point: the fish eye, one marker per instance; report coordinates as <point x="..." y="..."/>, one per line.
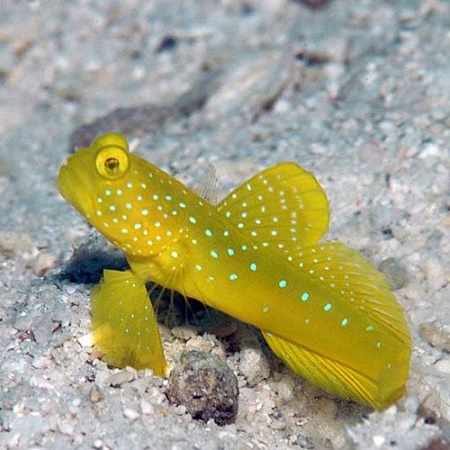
<point x="112" y="164"/>
<point x="112" y="159"/>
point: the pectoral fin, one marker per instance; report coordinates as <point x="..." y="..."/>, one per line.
<point x="124" y="323"/>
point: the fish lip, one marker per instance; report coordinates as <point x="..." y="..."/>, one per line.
<point x="63" y="170"/>
<point x="69" y="184"/>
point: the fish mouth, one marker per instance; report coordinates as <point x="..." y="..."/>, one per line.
<point x="62" y="181"/>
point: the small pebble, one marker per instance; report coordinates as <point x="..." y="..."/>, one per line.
<point x="379" y="441"/>
<point x="206" y="386"/>
<point x="122" y="377"/>
<point x="254" y="365"/>
<point x="277" y="421"/>
<point x="436" y="334"/>
<point x="87" y="340"/>
<point x="96" y="394"/>
<point x="98" y="443"/>
<point x="40" y="362"/>
<point x="443" y="366"/>
<point x="130" y="413"/>
<point x="146" y="407"/>
<point x="286" y="388"/>
<point x="43" y="262"/>
<point x="66" y="428"/>
<point x="395" y="272"/>
<point x="303" y="442"/>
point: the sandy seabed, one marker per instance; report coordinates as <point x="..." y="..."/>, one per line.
<point x="356" y="92"/>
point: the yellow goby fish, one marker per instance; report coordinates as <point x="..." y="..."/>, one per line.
<point x="322" y="308"/>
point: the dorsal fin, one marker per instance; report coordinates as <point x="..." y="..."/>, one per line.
<point x="282" y="205"/>
<point x="208" y="188"/>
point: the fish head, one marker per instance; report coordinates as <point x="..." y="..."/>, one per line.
<point x="93" y="171"/>
<point x="119" y="193"/>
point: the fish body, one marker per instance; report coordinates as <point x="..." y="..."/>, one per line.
<point x="322" y="308"/>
